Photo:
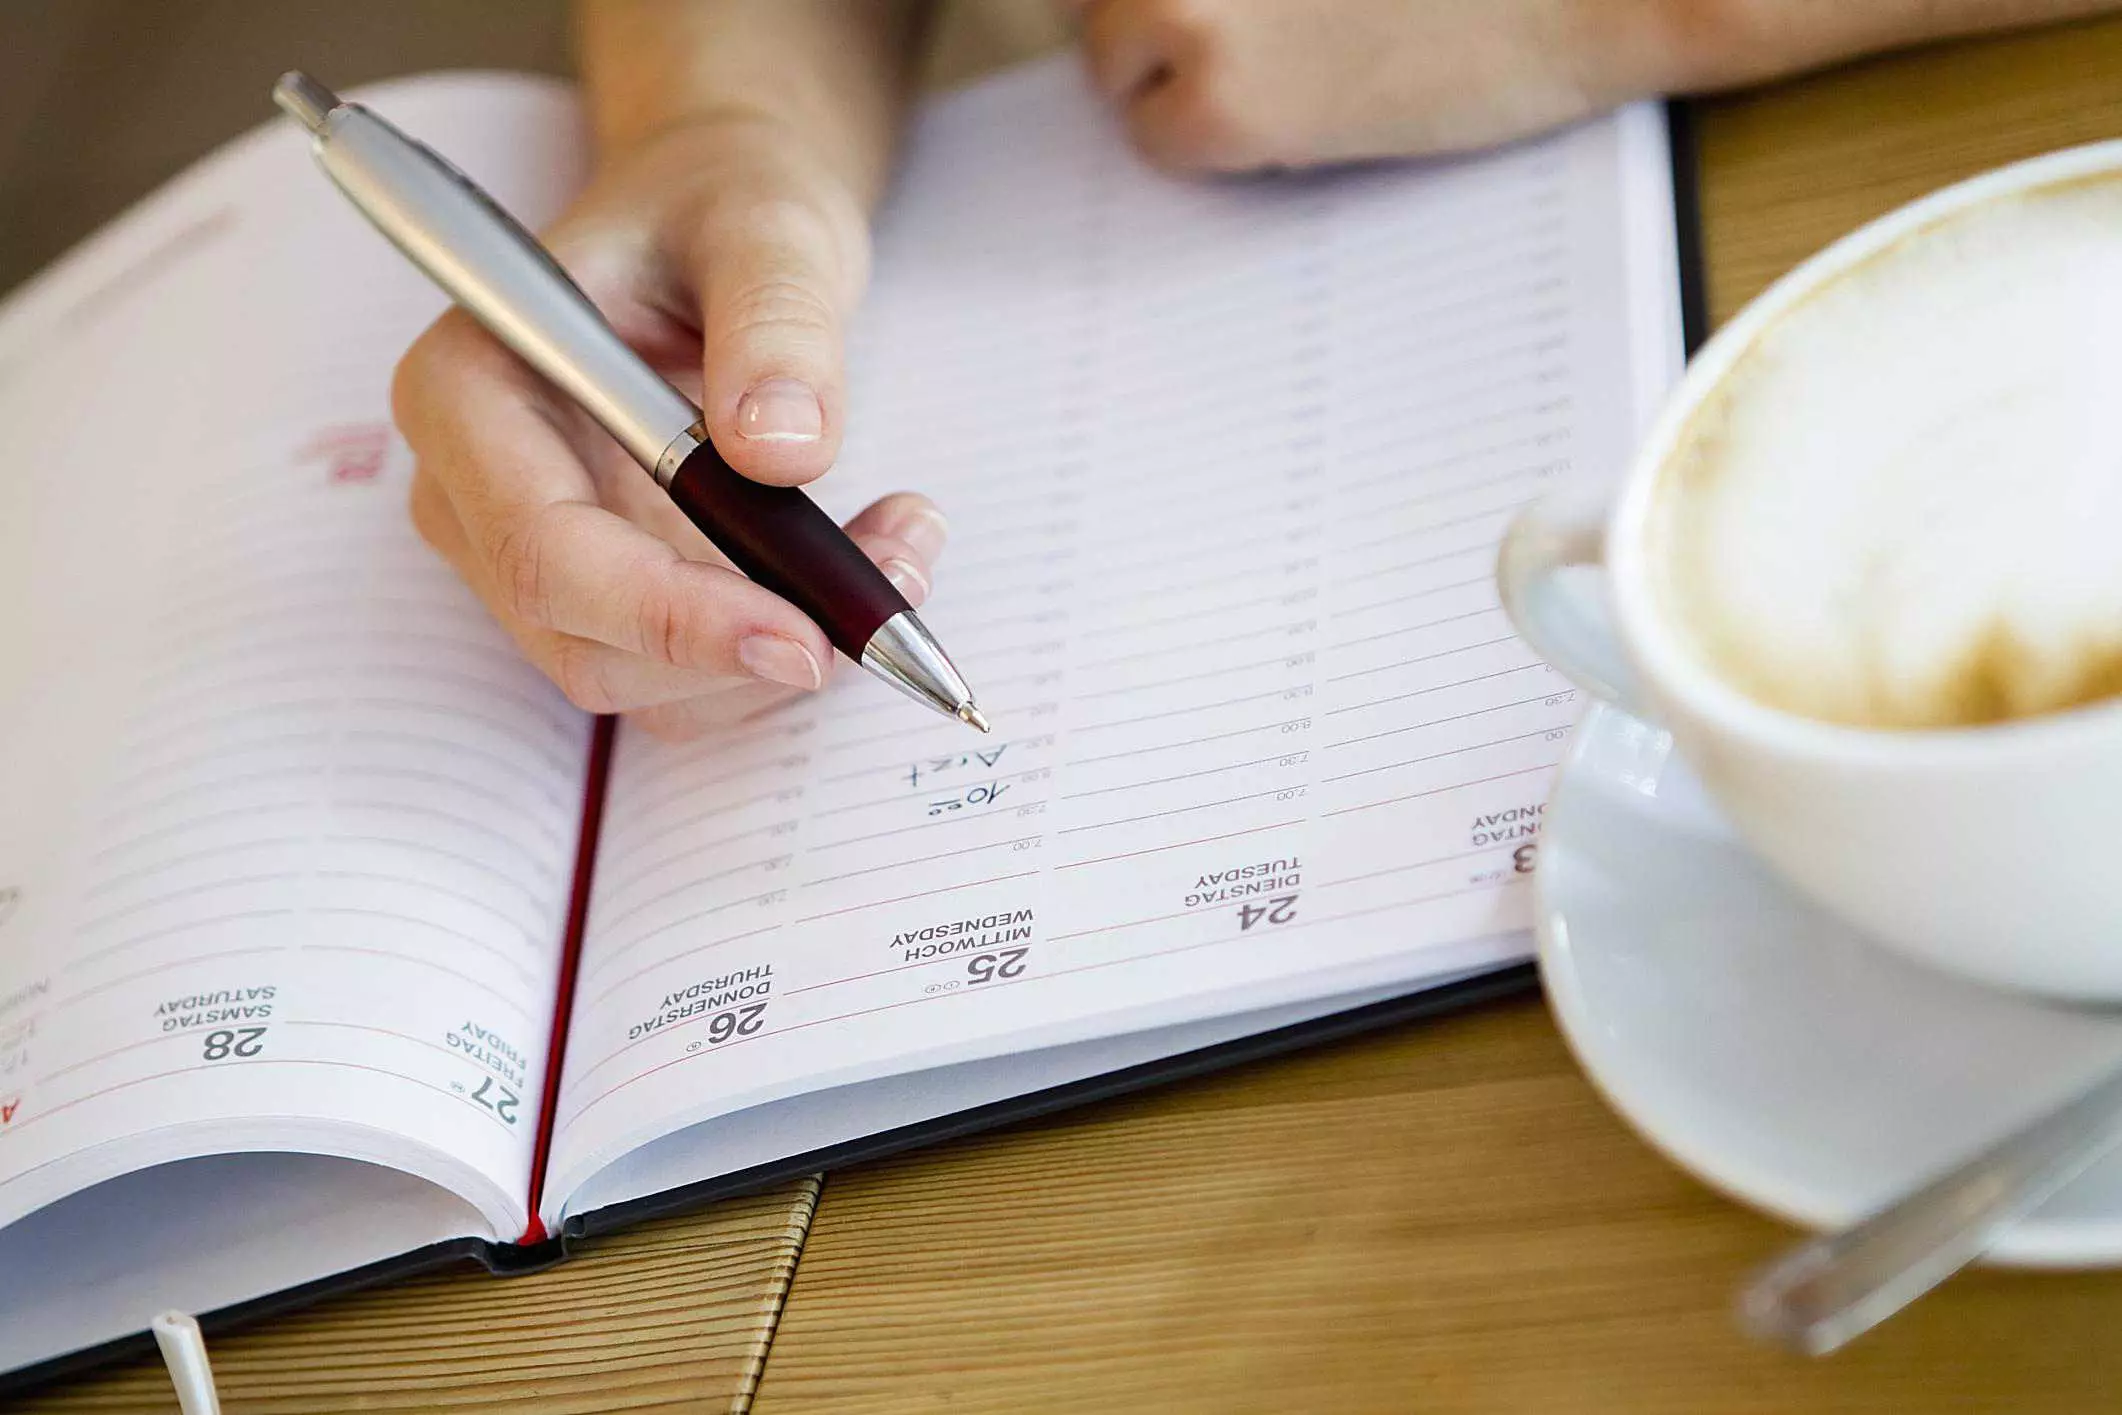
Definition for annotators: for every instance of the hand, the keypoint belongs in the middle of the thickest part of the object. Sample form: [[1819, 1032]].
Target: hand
[[721, 240], [1230, 85]]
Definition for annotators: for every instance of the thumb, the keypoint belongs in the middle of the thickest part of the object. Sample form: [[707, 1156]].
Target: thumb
[[777, 274]]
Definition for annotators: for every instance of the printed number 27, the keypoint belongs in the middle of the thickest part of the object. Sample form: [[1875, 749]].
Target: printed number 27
[[497, 1098]]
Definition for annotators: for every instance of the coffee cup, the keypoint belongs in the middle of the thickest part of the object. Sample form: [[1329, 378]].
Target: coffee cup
[[1862, 570]]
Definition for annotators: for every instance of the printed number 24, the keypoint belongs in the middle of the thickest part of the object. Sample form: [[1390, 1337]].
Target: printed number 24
[[1279, 909]]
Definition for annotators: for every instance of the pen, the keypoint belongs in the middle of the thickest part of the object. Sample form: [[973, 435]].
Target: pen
[[499, 273]]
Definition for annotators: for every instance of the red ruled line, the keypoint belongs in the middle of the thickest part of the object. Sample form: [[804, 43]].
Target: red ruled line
[[71, 998], [1176, 811], [613, 951], [1306, 885], [1134, 923], [1177, 845], [1440, 756], [1411, 865], [921, 894], [1422, 658], [1413, 628], [484, 985], [117, 1086], [917, 860], [1167, 780], [1182, 742], [499, 955], [575, 1115], [692, 882], [1435, 722], [1440, 790], [668, 959], [434, 1046]]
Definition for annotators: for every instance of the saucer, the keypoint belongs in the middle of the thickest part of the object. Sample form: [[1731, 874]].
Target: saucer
[[1772, 1051]]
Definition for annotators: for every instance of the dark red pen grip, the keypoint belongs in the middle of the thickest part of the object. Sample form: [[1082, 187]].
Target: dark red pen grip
[[780, 538]]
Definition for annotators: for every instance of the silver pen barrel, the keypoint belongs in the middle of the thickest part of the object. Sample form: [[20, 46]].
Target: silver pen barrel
[[490, 265], [496, 270]]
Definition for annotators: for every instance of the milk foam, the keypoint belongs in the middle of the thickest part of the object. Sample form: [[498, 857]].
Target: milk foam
[[1903, 508]]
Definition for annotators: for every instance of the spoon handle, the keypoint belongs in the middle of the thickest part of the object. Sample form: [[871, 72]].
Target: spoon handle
[[1823, 1292]]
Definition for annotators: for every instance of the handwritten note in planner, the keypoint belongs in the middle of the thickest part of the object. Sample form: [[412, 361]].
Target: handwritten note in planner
[[1227, 465], [289, 817]]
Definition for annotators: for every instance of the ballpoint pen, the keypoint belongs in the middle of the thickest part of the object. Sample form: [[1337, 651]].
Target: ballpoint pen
[[499, 273]]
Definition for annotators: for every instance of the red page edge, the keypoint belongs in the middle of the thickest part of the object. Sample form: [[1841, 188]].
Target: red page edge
[[593, 785]]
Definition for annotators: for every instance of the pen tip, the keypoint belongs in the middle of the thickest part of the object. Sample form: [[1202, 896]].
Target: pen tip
[[304, 99], [972, 716]]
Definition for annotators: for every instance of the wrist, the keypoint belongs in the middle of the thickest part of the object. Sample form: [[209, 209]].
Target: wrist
[[829, 77]]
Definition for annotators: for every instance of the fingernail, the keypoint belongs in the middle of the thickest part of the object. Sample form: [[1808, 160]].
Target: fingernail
[[926, 530], [907, 579], [780, 410], [779, 660]]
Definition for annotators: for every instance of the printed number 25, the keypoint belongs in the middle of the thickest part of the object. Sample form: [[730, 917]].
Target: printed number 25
[[986, 967]]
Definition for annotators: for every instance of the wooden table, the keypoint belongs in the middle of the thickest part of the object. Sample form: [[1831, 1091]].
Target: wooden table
[[1440, 1219]]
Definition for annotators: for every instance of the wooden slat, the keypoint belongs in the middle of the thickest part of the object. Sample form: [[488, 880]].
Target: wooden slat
[[674, 1315], [1788, 169], [1447, 1219], [1441, 1220]]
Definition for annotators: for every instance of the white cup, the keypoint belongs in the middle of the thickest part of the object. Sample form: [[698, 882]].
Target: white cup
[[1992, 851]]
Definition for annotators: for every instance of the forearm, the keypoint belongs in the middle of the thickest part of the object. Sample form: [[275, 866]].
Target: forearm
[[837, 72], [1698, 45]]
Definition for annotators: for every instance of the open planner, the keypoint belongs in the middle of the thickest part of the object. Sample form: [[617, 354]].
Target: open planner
[[334, 942]]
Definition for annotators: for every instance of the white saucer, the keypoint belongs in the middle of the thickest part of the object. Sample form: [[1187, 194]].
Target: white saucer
[[1770, 1050]]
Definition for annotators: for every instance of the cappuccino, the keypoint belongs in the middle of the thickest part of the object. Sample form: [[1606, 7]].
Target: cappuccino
[[1902, 507]]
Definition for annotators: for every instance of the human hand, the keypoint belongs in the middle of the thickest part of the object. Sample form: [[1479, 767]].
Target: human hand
[[721, 244], [1231, 85]]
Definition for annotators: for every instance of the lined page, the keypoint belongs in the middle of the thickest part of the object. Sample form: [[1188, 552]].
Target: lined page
[[1226, 464], [288, 822]]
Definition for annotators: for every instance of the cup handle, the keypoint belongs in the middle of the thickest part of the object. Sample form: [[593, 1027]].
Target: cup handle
[[1552, 577]]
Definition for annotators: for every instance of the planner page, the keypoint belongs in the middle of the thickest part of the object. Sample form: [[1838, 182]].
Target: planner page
[[1226, 464], [286, 825]]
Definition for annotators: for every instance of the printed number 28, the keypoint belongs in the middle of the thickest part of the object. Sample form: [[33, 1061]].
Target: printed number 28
[[243, 1042]]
